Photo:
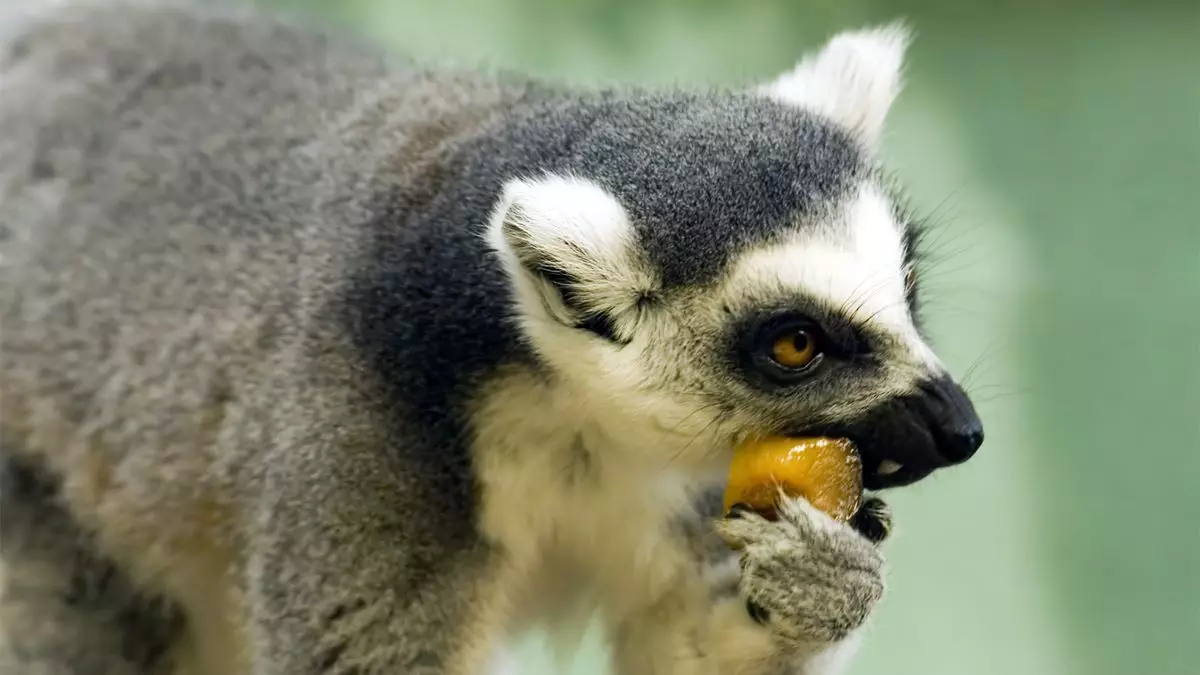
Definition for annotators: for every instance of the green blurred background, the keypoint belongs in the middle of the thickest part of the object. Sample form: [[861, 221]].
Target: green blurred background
[[1056, 146]]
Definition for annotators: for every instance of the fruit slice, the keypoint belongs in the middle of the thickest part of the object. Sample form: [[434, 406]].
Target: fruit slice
[[825, 471]]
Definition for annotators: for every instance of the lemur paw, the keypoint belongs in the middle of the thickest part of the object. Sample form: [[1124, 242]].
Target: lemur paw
[[806, 576]]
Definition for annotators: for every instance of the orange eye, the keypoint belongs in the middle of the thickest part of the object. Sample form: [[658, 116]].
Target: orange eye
[[794, 349]]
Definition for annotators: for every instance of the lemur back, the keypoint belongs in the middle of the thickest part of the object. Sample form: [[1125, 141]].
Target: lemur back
[[321, 361], [158, 169]]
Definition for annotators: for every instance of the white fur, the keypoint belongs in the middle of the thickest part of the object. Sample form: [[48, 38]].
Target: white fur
[[853, 80], [577, 224], [835, 659], [594, 540], [587, 541], [586, 230], [856, 264], [606, 517]]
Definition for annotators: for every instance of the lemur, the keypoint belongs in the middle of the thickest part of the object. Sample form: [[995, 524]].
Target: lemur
[[319, 360]]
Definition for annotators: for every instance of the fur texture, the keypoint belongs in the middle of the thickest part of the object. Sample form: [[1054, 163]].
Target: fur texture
[[347, 365]]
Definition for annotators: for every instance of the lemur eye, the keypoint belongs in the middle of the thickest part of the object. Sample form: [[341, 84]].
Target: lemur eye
[[782, 350], [794, 348], [785, 348]]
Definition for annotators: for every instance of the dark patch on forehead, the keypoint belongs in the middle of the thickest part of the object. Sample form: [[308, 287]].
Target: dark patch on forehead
[[702, 176]]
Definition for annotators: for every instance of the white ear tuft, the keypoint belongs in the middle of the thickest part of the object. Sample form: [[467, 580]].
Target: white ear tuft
[[853, 79], [569, 243]]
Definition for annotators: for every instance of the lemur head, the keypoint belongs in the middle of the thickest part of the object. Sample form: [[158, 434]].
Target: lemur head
[[694, 269]]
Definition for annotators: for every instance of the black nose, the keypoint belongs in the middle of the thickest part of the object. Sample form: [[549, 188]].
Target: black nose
[[907, 438], [956, 428]]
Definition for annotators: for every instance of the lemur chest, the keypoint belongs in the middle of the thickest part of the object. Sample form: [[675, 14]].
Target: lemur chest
[[578, 518]]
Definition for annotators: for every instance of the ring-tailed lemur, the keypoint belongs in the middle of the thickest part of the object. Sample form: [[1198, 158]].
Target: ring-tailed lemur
[[336, 364]]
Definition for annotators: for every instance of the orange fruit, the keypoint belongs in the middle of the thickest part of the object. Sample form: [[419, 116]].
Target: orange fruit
[[825, 471]]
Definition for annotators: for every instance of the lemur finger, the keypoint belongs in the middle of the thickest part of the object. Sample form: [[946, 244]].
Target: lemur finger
[[738, 510], [742, 527], [757, 612], [873, 520]]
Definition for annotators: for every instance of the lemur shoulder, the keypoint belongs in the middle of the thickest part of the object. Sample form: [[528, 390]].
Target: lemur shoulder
[[316, 360]]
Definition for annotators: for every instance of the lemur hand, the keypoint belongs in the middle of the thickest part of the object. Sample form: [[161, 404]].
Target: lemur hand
[[806, 576]]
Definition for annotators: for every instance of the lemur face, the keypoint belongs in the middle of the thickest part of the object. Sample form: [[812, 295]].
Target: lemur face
[[708, 268]]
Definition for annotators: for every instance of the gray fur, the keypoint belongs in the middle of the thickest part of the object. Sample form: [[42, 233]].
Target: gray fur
[[702, 175], [62, 605], [249, 311]]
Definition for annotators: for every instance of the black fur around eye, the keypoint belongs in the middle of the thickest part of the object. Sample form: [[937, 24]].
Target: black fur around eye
[[783, 349]]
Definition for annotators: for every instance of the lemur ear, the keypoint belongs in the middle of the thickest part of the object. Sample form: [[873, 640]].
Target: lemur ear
[[569, 246], [853, 79]]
